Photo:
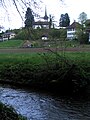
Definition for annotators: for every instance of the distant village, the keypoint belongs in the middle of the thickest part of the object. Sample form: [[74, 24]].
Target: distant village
[[44, 23]]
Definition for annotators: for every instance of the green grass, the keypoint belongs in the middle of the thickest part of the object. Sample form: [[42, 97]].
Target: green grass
[[66, 44], [39, 58], [33, 58], [11, 44], [79, 56]]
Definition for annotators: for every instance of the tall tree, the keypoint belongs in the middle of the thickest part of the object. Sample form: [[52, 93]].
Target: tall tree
[[61, 21], [82, 35], [67, 19], [29, 21], [82, 18], [64, 20], [51, 21], [29, 18]]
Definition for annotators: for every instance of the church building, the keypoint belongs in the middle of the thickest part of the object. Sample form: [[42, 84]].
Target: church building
[[43, 23]]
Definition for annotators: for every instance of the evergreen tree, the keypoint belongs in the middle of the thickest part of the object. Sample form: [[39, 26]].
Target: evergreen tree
[[67, 19], [64, 20], [29, 18], [61, 21]]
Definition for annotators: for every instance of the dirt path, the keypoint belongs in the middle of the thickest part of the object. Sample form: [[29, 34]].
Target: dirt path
[[28, 50]]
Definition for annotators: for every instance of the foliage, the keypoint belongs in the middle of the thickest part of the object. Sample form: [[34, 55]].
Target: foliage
[[53, 70], [37, 34], [82, 35], [29, 18], [57, 33], [83, 38], [8, 113], [22, 34], [82, 18], [64, 20]]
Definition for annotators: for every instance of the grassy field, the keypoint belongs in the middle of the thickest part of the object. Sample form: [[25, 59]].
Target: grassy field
[[40, 43], [11, 44], [39, 57]]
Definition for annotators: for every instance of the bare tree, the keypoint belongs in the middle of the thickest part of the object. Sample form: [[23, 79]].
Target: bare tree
[[21, 5]]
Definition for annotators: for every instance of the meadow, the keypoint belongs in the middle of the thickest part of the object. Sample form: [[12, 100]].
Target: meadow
[[11, 44]]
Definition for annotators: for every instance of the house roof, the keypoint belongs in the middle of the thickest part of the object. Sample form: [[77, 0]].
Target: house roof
[[8, 33], [74, 25]]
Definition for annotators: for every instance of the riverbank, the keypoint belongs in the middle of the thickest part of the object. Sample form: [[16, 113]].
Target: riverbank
[[56, 72]]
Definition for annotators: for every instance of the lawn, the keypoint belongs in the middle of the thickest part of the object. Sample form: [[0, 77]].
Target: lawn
[[40, 57], [11, 44], [39, 43]]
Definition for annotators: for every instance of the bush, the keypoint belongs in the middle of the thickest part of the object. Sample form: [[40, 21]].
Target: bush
[[83, 38], [8, 113]]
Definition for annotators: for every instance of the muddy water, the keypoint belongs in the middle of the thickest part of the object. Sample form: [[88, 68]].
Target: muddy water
[[40, 106]]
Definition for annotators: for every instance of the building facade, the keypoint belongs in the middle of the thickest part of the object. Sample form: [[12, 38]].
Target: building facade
[[72, 29]]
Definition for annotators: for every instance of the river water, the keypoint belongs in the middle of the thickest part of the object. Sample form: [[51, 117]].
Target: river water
[[41, 106]]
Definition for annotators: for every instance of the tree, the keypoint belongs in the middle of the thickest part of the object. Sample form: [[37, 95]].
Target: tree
[[21, 5], [82, 35], [29, 21], [82, 18], [67, 19], [29, 18], [64, 20], [51, 20]]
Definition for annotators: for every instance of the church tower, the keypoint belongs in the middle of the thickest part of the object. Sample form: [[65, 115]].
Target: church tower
[[45, 17]]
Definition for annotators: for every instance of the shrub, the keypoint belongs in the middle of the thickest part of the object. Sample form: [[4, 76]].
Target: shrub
[[8, 113]]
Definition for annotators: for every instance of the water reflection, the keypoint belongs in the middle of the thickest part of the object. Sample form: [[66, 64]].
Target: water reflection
[[39, 106]]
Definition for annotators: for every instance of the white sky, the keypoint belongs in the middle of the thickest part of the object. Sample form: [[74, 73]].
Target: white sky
[[11, 19]]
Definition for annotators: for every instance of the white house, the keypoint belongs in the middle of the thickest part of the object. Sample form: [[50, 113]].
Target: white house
[[41, 24], [8, 35], [72, 29]]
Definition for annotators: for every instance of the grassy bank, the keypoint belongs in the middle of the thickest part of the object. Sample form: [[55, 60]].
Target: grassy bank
[[58, 72], [8, 113]]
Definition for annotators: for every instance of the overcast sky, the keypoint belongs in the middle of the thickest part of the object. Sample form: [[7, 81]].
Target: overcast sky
[[11, 19]]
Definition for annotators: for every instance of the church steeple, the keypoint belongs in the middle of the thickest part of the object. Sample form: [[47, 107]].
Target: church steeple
[[45, 17]]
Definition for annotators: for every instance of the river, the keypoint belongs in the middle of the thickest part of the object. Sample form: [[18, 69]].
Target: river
[[41, 106]]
